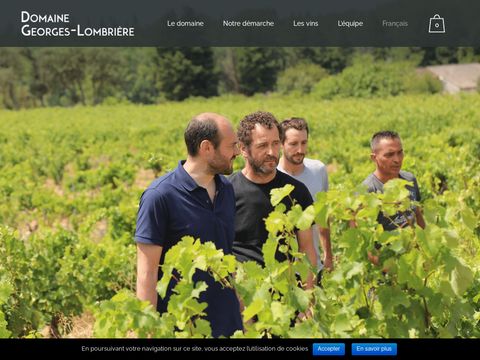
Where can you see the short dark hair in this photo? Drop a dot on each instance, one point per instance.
(294, 123)
(248, 123)
(198, 130)
(386, 134)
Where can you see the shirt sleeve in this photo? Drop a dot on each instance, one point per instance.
(324, 179)
(152, 219)
(303, 196)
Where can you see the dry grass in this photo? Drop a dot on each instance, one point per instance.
(99, 230)
(81, 326)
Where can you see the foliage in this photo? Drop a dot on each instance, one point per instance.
(257, 69)
(41, 77)
(124, 314)
(300, 78)
(421, 287)
(423, 83)
(332, 59)
(56, 276)
(366, 78)
(6, 290)
(72, 178)
(185, 72)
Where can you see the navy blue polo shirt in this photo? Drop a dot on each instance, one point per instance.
(174, 206)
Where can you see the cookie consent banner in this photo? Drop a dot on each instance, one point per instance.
(245, 23)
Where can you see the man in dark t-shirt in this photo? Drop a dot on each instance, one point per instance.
(253, 207)
(259, 137)
(387, 154)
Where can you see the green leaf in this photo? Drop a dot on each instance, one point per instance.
(301, 298)
(277, 195)
(162, 285)
(461, 278)
(294, 214)
(4, 333)
(200, 287)
(321, 209)
(451, 238)
(6, 289)
(305, 220)
(195, 306)
(390, 297)
(203, 328)
(469, 219)
(430, 211)
(269, 249)
(304, 330)
(230, 262)
(278, 310)
(397, 246)
(406, 273)
(275, 222)
(428, 239)
(368, 213)
(253, 309)
(355, 269)
(321, 217)
(122, 296)
(445, 288)
(341, 323)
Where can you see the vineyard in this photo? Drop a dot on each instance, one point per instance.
(72, 179)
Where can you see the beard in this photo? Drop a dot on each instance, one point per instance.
(260, 167)
(296, 159)
(221, 165)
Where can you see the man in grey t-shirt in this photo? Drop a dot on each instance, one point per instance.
(387, 154)
(313, 173)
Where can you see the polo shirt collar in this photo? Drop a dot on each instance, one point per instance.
(187, 181)
(184, 178)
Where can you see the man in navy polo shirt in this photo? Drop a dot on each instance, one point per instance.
(192, 200)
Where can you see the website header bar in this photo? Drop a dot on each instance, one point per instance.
(246, 23)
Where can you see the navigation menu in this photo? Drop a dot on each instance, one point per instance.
(216, 23)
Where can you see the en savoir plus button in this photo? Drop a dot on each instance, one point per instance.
(328, 349)
(374, 349)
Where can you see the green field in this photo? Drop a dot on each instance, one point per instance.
(72, 178)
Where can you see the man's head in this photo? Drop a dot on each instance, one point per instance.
(387, 153)
(295, 140)
(211, 138)
(260, 136)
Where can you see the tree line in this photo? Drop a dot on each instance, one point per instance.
(41, 77)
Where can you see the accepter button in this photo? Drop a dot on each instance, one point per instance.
(328, 349)
(374, 349)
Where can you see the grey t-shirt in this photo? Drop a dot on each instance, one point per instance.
(315, 177)
(400, 219)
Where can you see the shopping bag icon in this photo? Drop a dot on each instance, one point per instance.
(437, 24)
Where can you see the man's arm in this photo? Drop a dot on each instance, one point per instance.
(305, 245)
(326, 247)
(148, 259)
